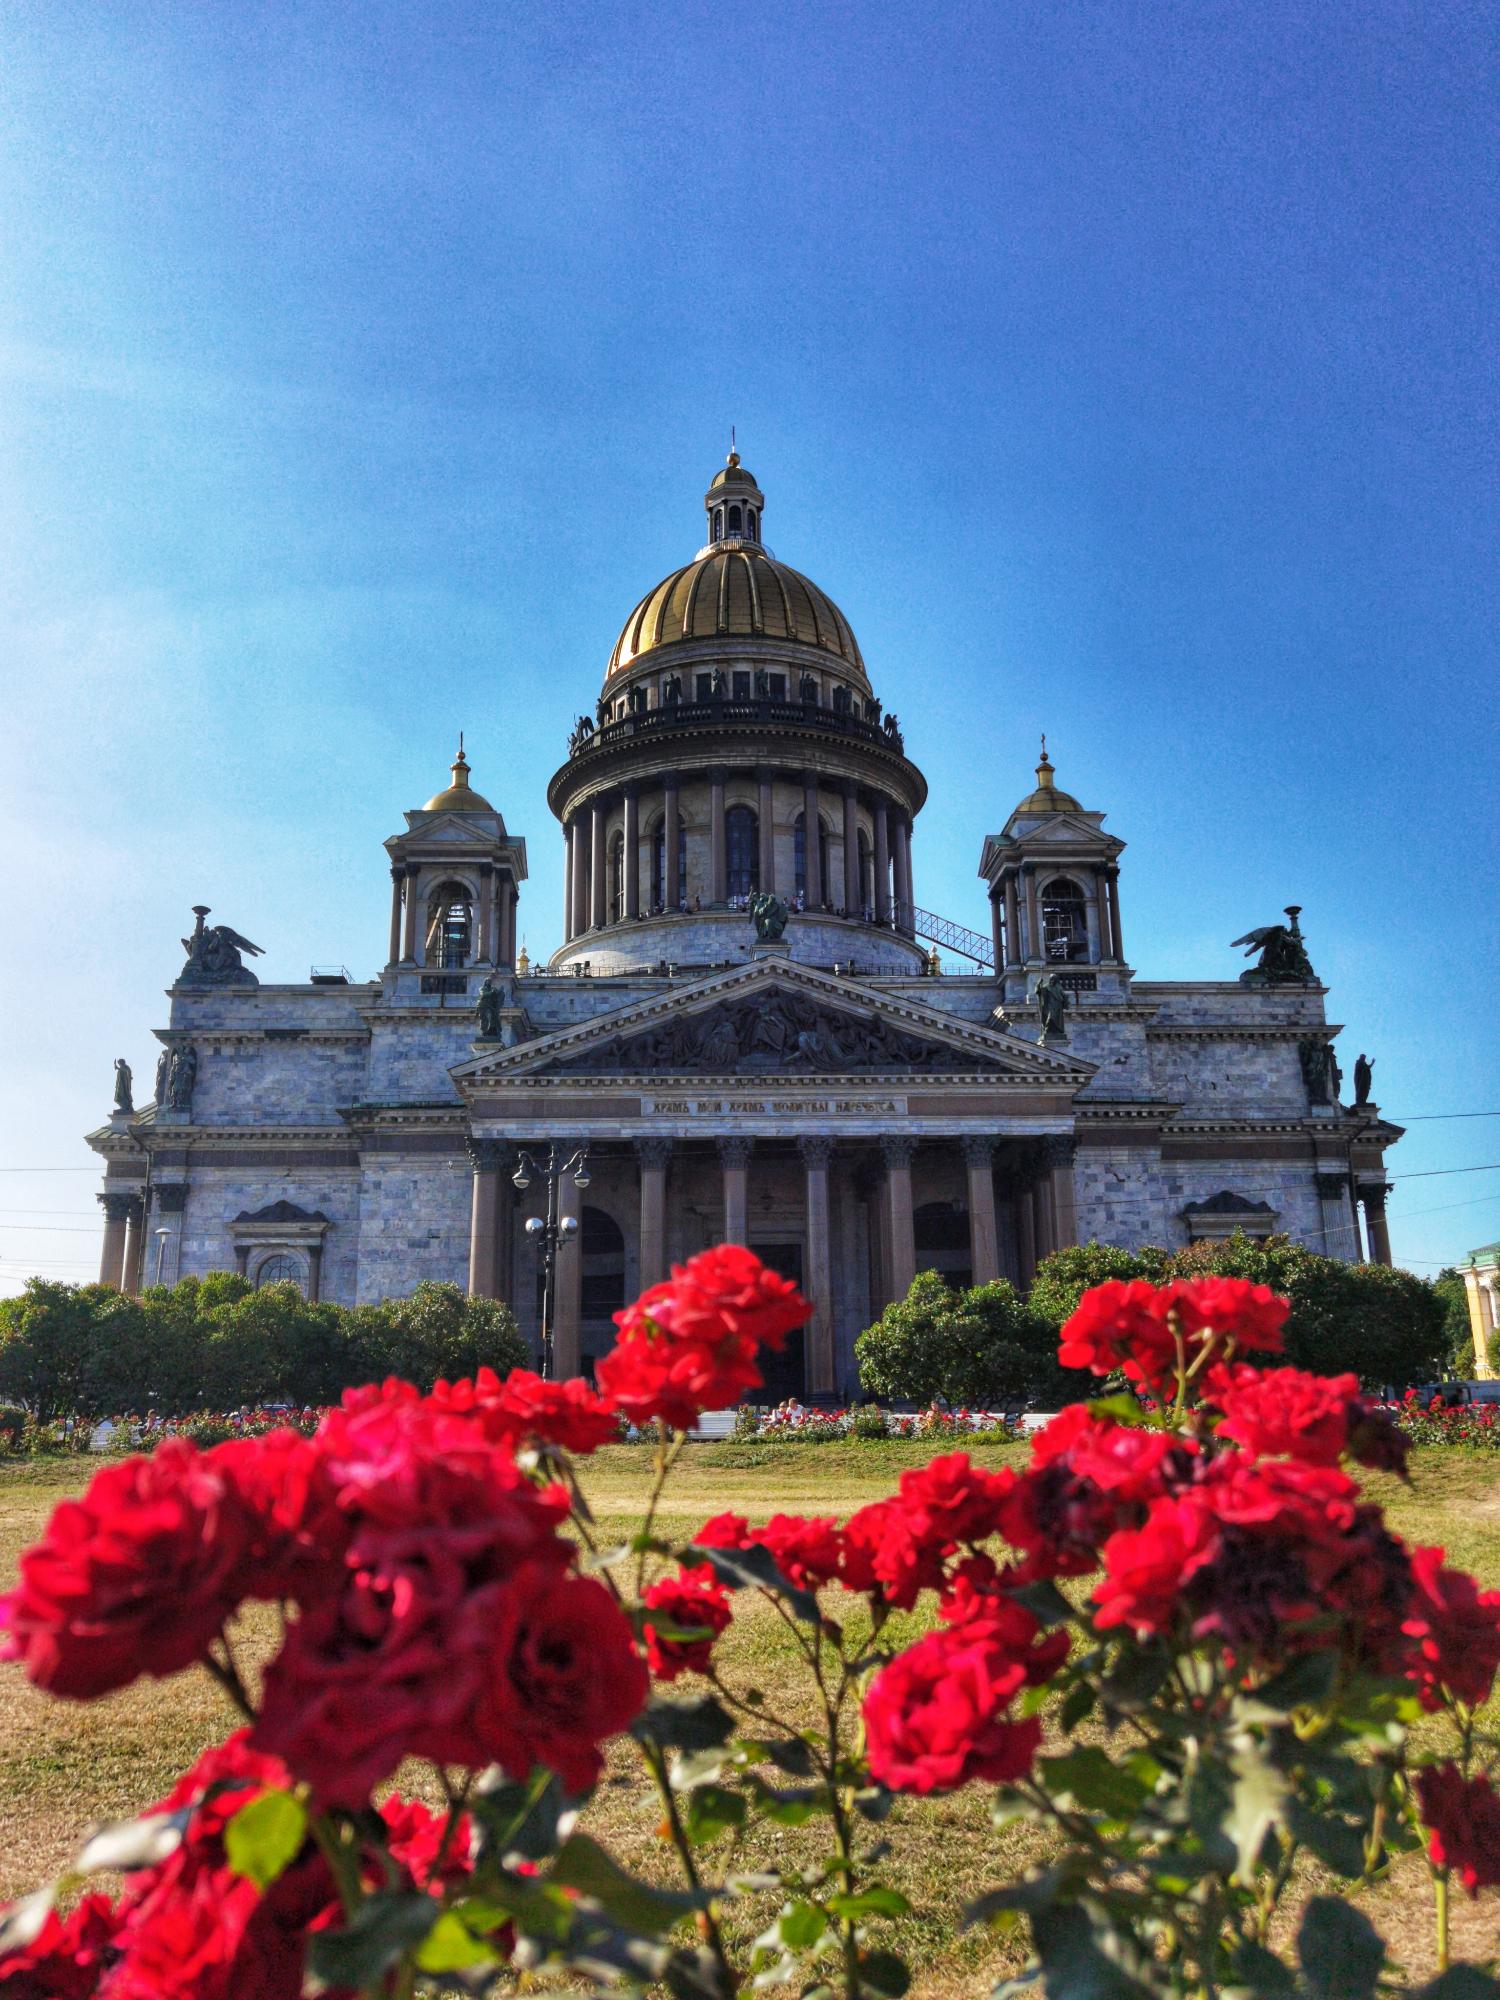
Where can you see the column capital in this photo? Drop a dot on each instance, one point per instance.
(1373, 1194)
(1057, 1150)
(171, 1197)
(1331, 1187)
(897, 1152)
(850, 788)
(488, 1156)
(653, 1152)
(978, 1152)
(671, 781)
(735, 1151)
(816, 1150)
(118, 1207)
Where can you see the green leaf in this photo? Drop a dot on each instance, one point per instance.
(522, 1818)
(1092, 1778)
(1257, 1804)
(1084, 1958)
(1340, 1950)
(265, 1837)
(1078, 1706)
(800, 1926)
(1122, 1409)
(1263, 1972)
(1305, 1683)
(1030, 1895)
(450, 1946)
(756, 1568)
(582, 1864)
(379, 1933)
(1139, 1675)
(884, 1973)
(877, 1901)
(1338, 1843)
(1044, 1601)
(711, 1810)
(685, 1725)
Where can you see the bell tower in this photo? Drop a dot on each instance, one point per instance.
(455, 885)
(1053, 876)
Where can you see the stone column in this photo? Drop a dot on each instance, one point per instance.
(632, 853)
(166, 1256)
(1044, 1234)
(901, 856)
(812, 841)
(900, 1233)
(568, 882)
(1057, 1160)
(1373, 1194)
(580, 878)
(984, 1238)
(734, 1158)
(653, 1155)
(112, 1255)
(508, 896)
(1012, 922)
(851, 849)
(997, 930)
(718, 885)
(671, 874)
(396, 880)
(598, 866)
(409, 942)
(567, 1305)
(1485, 1324)
(314, 1272)
(1117, 943)
(1101, 906)
(487, 916)
(135, 1245)
(1025, 1232)
(822, 1375)
(241, 1259)
(765, 826)
(882, 862)
(1034, 940)
(486, 1156)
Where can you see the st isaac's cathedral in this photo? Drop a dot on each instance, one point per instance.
(748, 1025)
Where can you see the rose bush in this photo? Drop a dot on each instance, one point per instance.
(1179, 1636)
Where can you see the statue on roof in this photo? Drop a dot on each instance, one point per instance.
(1364, 1076)
(1283, 954)
(122, 1085)
(769, 915)
(583, 729)
(1052, 1001)
(487, 1006)
(213, 955)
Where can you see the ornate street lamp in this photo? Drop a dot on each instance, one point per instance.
(549, 1231)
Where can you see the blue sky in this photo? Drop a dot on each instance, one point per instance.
(1124, 371)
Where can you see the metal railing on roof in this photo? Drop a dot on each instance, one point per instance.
(649, 722)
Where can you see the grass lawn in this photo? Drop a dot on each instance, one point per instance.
(63, 1767)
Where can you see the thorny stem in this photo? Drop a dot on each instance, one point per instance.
(657, 1765)
(666, 1457)
(227, 1674)
(1440, 1904)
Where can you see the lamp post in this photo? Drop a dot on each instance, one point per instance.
(549, 1231)
(161, 1236)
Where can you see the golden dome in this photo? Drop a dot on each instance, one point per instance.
(737, 592)
(1046, 798)
(458, 795)
(731, 473)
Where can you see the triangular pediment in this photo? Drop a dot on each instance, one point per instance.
(784, 1020)
(452, 830)
(1062, 828)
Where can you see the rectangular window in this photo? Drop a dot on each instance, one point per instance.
(705, 687)
(778, 687)
(741, 684)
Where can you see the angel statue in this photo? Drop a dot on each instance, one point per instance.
(769, 914)
(1283, 955)
(214, 955)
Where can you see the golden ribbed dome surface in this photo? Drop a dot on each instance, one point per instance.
(737, 592)
(458, 795)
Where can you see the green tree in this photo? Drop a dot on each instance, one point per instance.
(274, 1345)
(49, 1339)
(438, 1331)
(981, 1347)
(1062, 1279)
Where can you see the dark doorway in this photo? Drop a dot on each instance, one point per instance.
(941, 1233)
(785, 1373)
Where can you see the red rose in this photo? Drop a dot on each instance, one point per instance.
(807, 1552)
(938, 1716)
(1114, 1326)
(948, 1500)
(416, 1837)
(1285, 1412)
(882, 1551)
(692, 1599)
(724, 1531)
(649, 1375)
(568, 1414)
(1250, 1315)
(137, 1577)
(66, 1959)
(566, 1677)
(1454, 1628)
(1463, 1815)
(1126, 1461)
(299, 1533)
(1145, 1568)
(725, 1290)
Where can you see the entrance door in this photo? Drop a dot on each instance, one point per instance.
(785, 1372)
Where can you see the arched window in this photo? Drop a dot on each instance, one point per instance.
(1065, 930)
(659, 864)
(282, 1269)
(718, 528)
(940, 1230)
(616, 878)
(734, 520)
(450, 927)
(603, 1251)
(822, 897)
(741, 852)
(752, 528)
(866, 875)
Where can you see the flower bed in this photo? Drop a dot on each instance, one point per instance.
(1471, 1427)
(1191, 1571)
(25, 1438)
(866, 1421)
